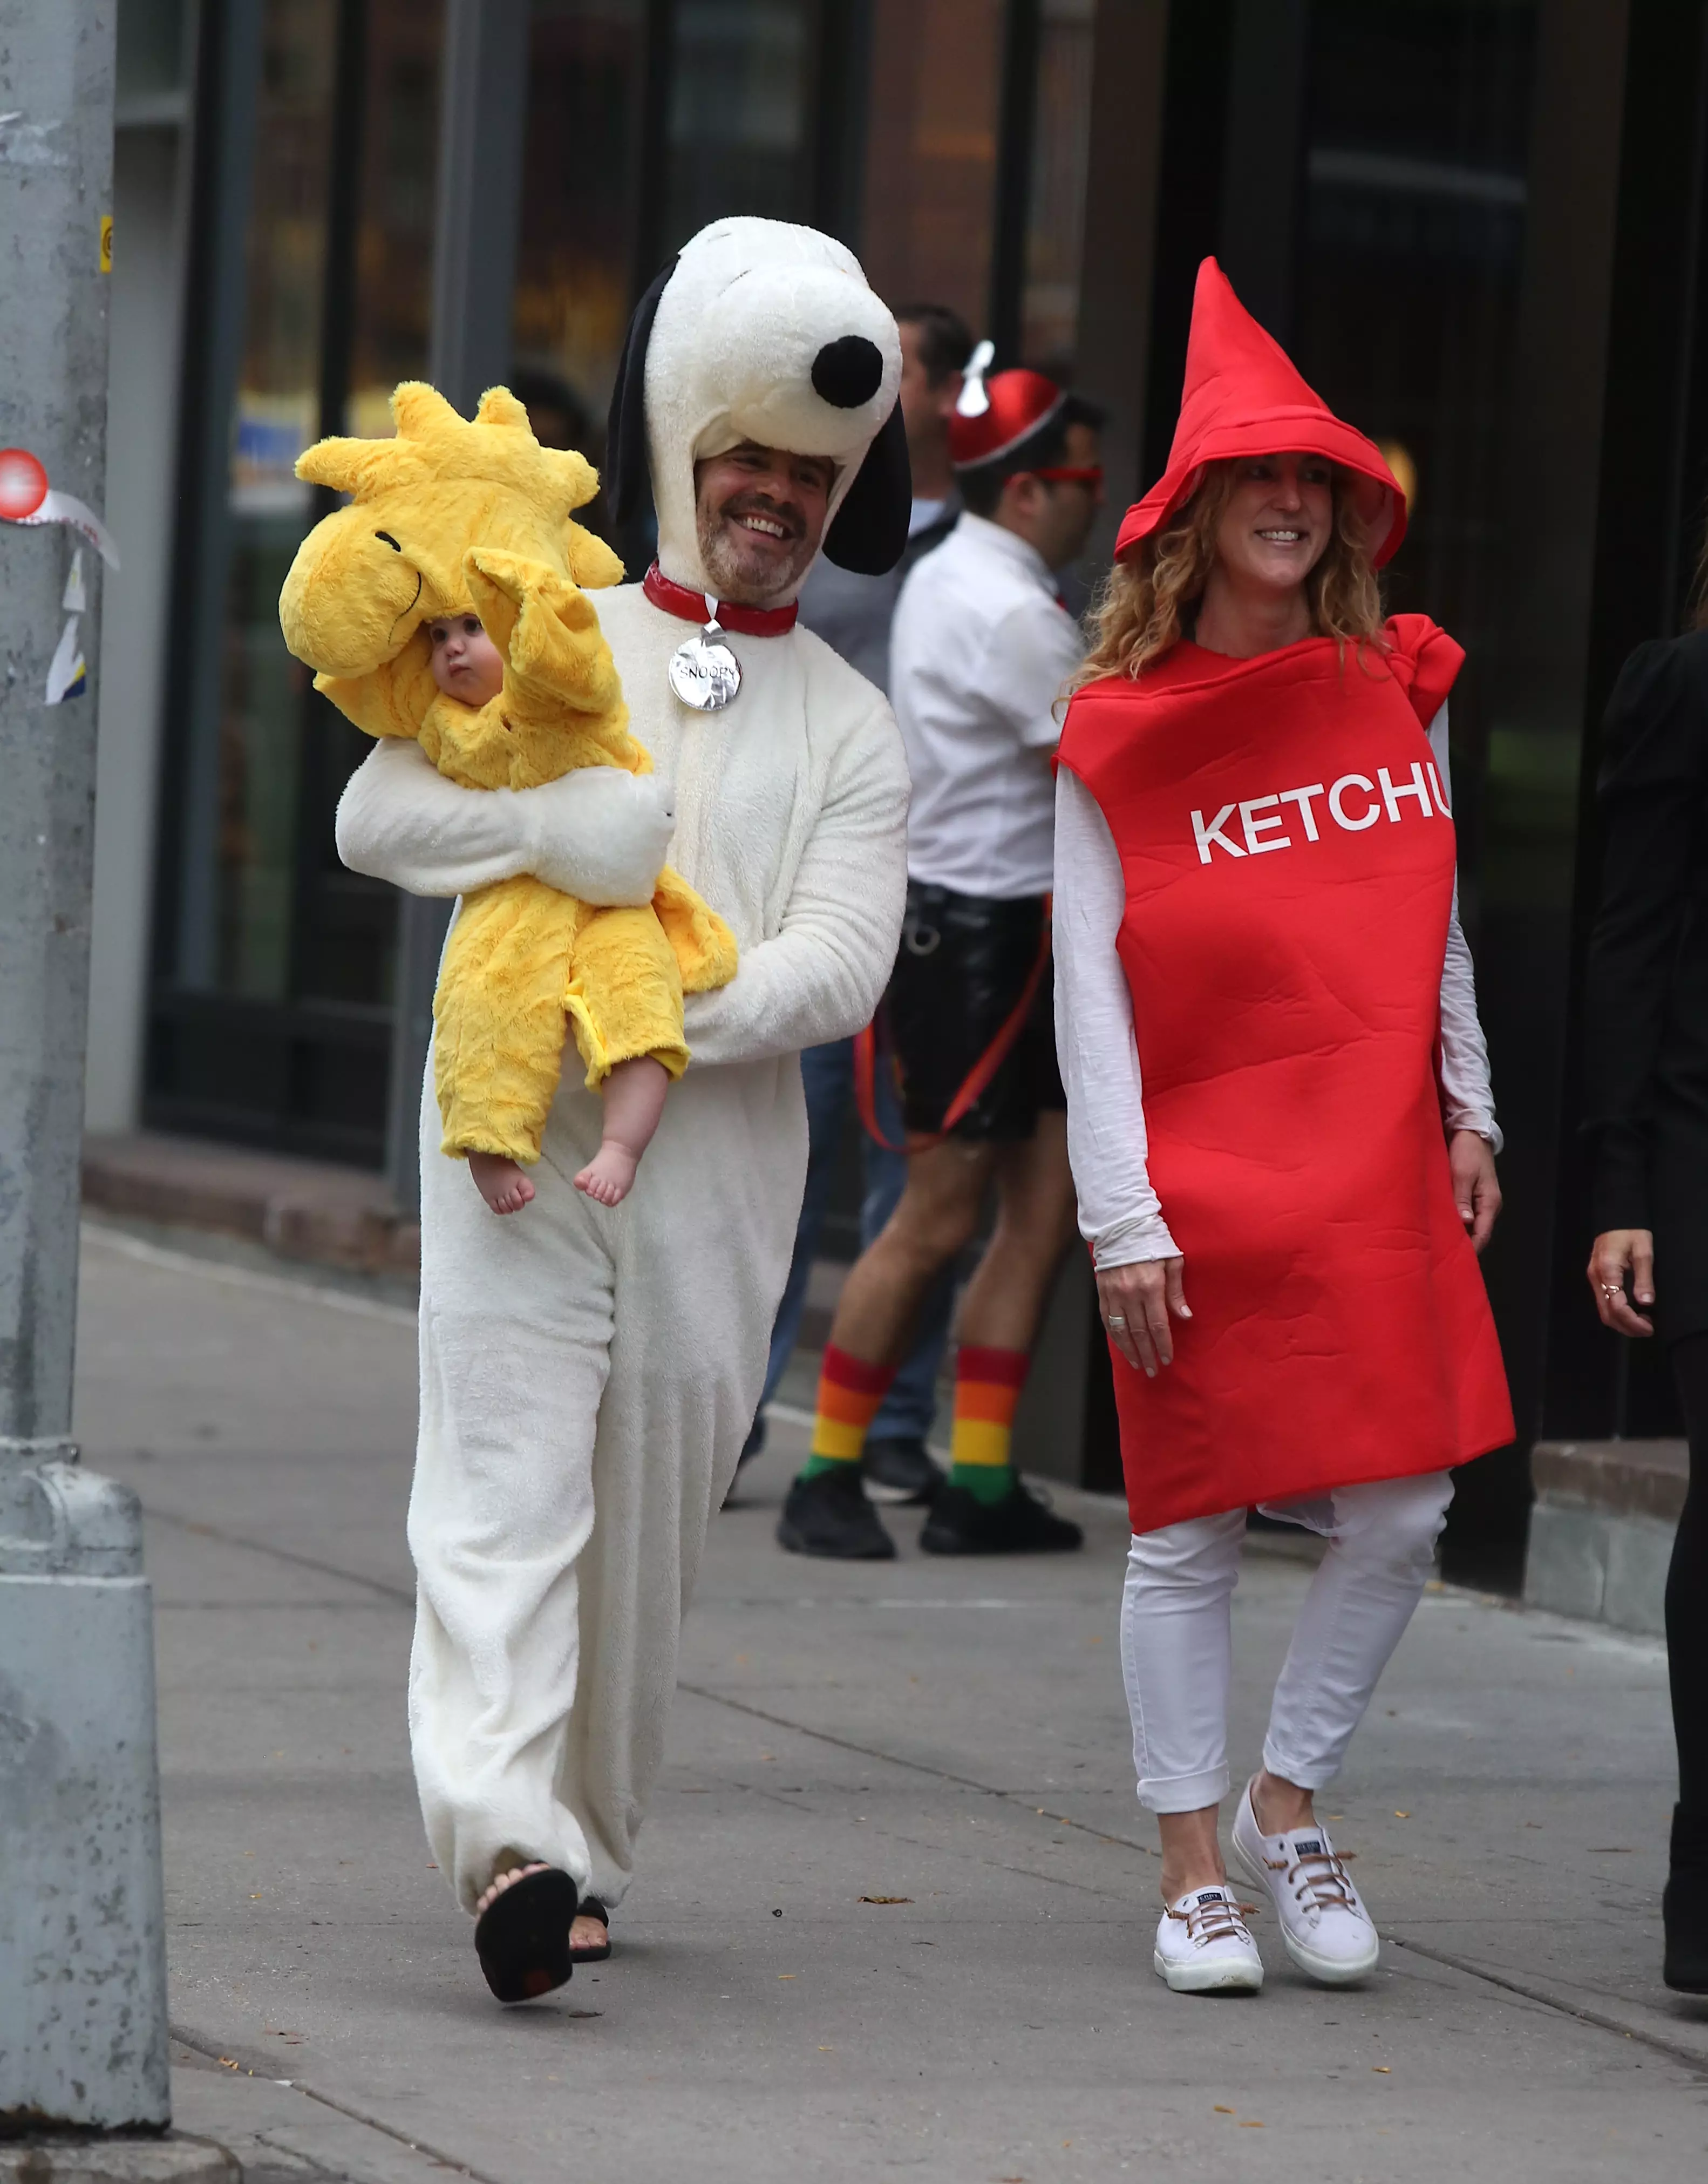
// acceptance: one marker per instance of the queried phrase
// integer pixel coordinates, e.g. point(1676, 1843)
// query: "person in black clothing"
point(1646, 1027)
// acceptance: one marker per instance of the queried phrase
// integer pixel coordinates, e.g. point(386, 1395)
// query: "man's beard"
point(748, 573)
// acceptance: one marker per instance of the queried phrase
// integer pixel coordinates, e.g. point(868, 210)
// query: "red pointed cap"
point(995, 415)
point(1242, 397)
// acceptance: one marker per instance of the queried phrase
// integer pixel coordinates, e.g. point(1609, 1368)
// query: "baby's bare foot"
point(609, 1175)
point(507, 1879)
point(500, 1182)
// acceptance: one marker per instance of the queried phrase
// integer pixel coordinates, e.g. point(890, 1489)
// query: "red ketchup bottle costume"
point(1288, 859)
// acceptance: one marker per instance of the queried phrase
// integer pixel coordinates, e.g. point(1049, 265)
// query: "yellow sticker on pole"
point(106, 243)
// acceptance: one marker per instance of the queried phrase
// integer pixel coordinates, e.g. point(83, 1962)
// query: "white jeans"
point(1177, 1639)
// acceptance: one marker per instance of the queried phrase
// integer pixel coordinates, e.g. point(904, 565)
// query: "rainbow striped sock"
point(987, 1388)
point(849, 1393)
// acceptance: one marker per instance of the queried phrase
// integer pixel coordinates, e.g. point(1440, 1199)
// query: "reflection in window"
point(578, 246)
point(285, 921)
point(740, 79)
point(392, 301)
point(1055, 216)
point(1410, 268)
point(1420, 203)
point(931, 151)
point(247, 950)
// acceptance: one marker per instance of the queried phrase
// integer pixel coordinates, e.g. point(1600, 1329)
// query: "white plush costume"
point(588, 1376)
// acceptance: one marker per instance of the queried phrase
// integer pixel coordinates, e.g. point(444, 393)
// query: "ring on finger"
point(1113, 1319)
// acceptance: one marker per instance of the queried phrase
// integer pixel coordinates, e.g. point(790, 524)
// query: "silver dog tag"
point(705, 673)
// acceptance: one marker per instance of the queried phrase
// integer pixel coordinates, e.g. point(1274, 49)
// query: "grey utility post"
point(483, 111)
point(82, 1959)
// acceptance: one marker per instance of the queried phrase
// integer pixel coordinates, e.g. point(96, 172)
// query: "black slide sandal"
point(522, 1937)
point(590, 1908)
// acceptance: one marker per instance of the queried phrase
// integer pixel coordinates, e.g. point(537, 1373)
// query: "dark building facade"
point(1477, 224)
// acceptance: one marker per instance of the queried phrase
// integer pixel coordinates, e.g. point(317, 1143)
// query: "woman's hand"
point(1475, 1190)
point(1135, 1301)
point(1609, 1255)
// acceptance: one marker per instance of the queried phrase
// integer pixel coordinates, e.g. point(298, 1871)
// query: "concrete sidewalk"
point(896, 1899)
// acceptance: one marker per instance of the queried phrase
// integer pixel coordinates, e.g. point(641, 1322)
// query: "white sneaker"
point(1327, 1930)
point(1203, 1947)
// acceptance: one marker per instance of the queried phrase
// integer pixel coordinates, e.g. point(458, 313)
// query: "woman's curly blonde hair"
point(1146, 600)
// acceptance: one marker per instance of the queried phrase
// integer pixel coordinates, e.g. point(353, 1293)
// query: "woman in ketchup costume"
point(1279, 1116)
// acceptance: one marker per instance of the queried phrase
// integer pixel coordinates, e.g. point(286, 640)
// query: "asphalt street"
point(895, 1912)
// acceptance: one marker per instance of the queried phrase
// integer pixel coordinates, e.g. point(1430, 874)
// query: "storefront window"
point(931, 151)
point(740, 129)
point(720, 117)
point(247, 948)
point(577, 251)
point(345, 924)
point(1411, 259)
point(1410, 266)
point(1056, 217)
point(331, 308)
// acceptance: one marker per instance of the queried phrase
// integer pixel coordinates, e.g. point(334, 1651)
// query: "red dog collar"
point(694, 606)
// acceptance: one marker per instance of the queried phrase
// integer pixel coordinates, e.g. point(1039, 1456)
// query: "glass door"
point(271, 1004)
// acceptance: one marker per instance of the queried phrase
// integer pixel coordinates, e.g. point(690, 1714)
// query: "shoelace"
point(1205, 1923)
point(1331, 1890)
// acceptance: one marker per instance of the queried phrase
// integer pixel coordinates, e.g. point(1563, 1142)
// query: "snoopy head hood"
point(763, 331)
point(1242, 397)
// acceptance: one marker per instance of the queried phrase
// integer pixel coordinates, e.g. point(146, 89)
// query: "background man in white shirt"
point(980, 650)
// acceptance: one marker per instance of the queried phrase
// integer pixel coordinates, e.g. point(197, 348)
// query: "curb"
point(310, 1212)
point(169, 2160)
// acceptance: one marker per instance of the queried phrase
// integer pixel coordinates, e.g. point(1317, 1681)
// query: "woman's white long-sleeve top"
point(1120, 1215)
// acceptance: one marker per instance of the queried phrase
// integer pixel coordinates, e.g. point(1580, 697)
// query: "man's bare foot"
point(609, 1175)
point(500, 1182)
point(508, 1879)
point(588, 1933)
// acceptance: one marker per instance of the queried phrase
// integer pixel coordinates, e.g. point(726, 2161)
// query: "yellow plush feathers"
point(454, 517)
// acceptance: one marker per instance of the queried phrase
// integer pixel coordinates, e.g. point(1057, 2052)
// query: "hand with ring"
point(1136, 1303)
point(1613, 1252)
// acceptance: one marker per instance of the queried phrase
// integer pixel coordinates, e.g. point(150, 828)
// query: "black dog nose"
point(849, 371)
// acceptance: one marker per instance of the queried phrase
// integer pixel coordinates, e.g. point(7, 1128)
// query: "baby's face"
point(466, 663)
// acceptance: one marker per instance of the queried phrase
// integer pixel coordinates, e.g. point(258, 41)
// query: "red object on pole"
point(23, 484)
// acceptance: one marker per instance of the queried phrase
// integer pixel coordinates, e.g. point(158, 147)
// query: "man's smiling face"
point(761, 513)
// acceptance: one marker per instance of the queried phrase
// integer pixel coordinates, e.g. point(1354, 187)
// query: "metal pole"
point(482, 113)
point(82, 1959)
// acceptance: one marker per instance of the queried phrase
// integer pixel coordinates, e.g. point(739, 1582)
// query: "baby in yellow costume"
point(445, 604)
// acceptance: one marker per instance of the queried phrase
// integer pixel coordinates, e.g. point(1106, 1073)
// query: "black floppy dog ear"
point(626, 480)
point(870, 533)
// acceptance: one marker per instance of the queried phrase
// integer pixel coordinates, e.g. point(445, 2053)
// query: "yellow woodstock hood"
point(368, 577)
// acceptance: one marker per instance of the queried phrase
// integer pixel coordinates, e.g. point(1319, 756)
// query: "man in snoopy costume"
point(588, 1375)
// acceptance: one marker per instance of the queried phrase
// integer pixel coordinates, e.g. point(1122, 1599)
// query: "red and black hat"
point(994, 416)
point(1244, 397)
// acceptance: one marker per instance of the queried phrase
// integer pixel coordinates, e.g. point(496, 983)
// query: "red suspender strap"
point(977, 1077)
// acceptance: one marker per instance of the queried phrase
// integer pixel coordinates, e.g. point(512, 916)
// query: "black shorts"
point(963, 963)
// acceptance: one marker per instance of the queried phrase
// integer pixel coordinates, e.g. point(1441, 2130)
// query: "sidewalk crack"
point(1692, 2058)
point(1017, 1797)
point(199, 2045)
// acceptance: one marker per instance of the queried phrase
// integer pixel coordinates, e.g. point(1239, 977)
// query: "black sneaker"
point(900, 1470)
point(829, 1515)
point(1020, 1523)
point(1684, 1905)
